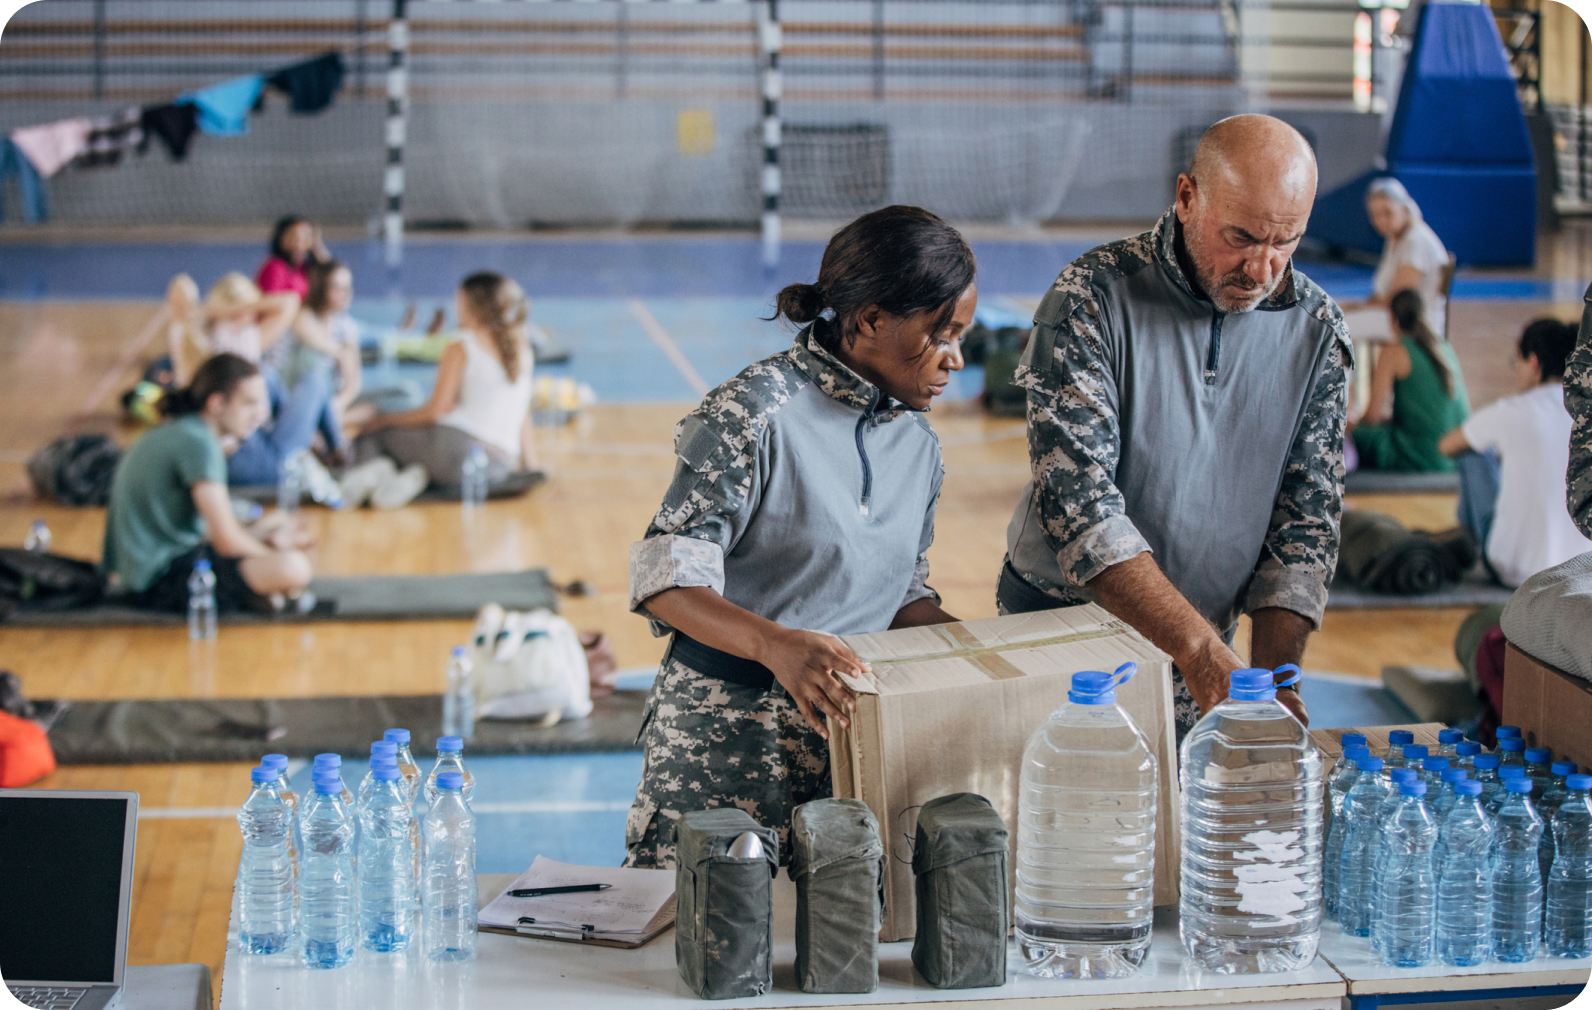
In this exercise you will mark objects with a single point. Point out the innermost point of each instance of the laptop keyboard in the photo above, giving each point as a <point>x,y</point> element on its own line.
<point>49,997</point>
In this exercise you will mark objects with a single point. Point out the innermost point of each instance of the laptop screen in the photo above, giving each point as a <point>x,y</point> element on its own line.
<point>60,887</point>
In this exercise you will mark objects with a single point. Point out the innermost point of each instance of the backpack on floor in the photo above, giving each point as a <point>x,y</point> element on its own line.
<point>76,470</point>
<point>528,665</point>
<point>32,581</point>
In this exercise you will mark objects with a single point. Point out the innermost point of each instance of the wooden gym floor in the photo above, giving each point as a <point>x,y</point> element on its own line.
<point>62,365</point>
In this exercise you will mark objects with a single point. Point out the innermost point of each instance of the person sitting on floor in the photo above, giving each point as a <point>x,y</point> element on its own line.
<point>1512,455</point>
<point>296,247</point>
<point>235,318</point>
<point>1417,396</point>
<point>1413,257</point>
<point>482,398</point>
<point>324,338</point>
<point>169,506</point>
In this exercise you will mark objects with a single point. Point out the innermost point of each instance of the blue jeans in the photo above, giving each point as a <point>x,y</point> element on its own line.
<point>258,461</point>
<point>35,204</point>
<point>1479,480</point>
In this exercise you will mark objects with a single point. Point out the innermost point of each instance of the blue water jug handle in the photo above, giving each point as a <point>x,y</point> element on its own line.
<point>1291,680</point>
<point>1118,678</point>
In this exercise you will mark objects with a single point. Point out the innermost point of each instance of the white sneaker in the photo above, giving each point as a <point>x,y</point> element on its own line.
<point>402,488</point>
<point>360,481</point>
<point>319,483</point>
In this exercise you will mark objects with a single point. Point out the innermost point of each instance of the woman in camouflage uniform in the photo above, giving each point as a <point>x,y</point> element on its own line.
<point>802,508</point>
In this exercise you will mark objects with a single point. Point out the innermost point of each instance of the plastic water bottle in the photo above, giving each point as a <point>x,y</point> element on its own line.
<point>284,789</point>
<point>1507,774</point>
<point>201,602</point>
<point>1465,753</point>
<point>1511,751</point>
<point>1464,890</point>
<point>1446,798</point>
<point>1567,920</point>
<point>1394,756</point>
<point>406,759</point>
<point>1517,876</point>
<point>38,539</point>
<point>1385,815</point>
<point>379,750</point>
<point>328,888</point>
<point>333,764</point>
<point>1342,768</point>
<point>265,872</point>
<point>1432,769</point>
<point>1338,786</point>
<point>1361,809</point>
<point>1086,837</point>
<point>458,704</point>
<point>448,895</point>
<point>473,483</point>
<point>1484,769</point>
<point>1507,733</point>
<point>1252,843</point>
<point>1413,754</point>
<point>1539,765</point>
<point>290,481</point>
<point>1548,799</point>
<point>1447,741</point>
<point>1407,881</point>
<point>450,758</point>
<point>386,863</point>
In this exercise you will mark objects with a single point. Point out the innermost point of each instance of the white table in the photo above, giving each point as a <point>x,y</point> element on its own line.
<point>513,973</point>
<point>1373,984</point>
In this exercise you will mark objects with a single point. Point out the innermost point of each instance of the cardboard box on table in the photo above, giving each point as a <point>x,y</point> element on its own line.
<point>1552,708</point>
<point>949,709</point>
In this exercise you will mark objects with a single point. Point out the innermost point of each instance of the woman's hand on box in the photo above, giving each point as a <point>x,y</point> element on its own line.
<point>802,662</point>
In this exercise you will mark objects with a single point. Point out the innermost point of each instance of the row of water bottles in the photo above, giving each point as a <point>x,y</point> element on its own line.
<point>1461,856</point>
<point>336,869</point>
<point>1252,835</point>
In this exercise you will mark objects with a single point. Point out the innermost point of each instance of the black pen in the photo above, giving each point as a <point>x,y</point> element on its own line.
<point>537,892</point>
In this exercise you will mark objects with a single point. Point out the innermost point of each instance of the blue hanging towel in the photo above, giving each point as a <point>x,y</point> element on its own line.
<point>224,108</point>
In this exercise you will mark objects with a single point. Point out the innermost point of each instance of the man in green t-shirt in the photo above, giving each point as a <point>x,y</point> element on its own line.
<point>169,506</point>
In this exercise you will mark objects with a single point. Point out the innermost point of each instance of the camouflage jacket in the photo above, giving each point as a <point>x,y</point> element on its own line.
<point>802,494</point>
<point>1578,401</point>
<point>1157,423</point>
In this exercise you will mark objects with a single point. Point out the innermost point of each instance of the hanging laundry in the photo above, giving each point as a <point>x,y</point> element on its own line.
<point>175,125</point>
<point>312,84</point>
<point>224,108</point>
<point>52,145</point>
<point>35,206</point>
<point>111,137</point>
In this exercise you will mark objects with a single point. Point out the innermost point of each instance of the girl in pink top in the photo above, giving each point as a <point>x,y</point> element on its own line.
<point>295,247</point>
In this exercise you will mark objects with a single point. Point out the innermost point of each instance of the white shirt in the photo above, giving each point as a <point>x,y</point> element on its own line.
<point>490,407</point>
<point>1532,529</point>
<point>1418,247</point>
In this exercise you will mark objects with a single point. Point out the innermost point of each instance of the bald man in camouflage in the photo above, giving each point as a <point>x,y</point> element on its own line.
<point>1187,390</point>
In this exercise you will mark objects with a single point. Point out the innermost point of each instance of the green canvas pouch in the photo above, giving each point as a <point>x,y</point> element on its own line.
<point>959,859</point>
<point>837,862</point>
<point>724,911</point>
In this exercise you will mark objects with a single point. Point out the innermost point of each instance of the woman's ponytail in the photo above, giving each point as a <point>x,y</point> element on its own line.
<point>220,374</point>
<point>1409,314</point>
<point>800,303</point>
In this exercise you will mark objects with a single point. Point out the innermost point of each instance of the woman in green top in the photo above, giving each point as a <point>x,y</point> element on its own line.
<point>1417,396</point>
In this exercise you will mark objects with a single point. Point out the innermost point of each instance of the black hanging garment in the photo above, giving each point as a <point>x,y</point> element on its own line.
<point>112,136</point>
<point>175,125</point>
<point>310,85</point>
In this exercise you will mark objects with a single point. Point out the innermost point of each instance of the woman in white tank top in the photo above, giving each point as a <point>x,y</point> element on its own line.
<point>482,396</point>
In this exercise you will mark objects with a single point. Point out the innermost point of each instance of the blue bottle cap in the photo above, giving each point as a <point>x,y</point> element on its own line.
<point>1468,787</point>
<point>1518,784</point>
<point>383,747</point>
<point>382,760</point>
<point>1467,748</point>
<point>1538,755</point>
<point>1453,775</point>
<point>1415,750</point>
<point>1579,782</point>
<point>1436,764</point>
<point>328,785</point>
<point>1453,736</point>
<point>1252,685</point>
<point>1369,764</point>
<point>1352,740</point>
<point>1416,788</point>
<point>1512,744</point>
<point>450,744</point>
<point>1486,761</point>
<point>274,761</point>
<point>1400,737</point>
<point>386,772</point>
<point>202,565</point>
<point>262,774</point>
<point>450,780</point>
<point>1356,753</point>
<point>398,736</point>
<point>1512,771</point>
<point>1404,775</point>
<point>1564,768</point>
<point>458,652</point>
<point>1504,732</point>
<point>328,761</point>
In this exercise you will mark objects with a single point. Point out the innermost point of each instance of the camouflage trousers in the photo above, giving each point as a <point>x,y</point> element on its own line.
<point>709,744</point>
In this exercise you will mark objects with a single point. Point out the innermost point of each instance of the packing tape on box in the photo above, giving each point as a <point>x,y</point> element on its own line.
<point>988,658</point>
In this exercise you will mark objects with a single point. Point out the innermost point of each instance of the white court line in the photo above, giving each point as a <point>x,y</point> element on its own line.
<point>660,336</point>
<point>513,807</point>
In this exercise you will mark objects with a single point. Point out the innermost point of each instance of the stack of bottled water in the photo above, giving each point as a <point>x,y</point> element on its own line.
<point>1086,837</point>
<point>1252,816</point>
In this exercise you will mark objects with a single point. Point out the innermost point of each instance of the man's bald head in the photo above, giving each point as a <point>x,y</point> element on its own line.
<point>1256,153</point>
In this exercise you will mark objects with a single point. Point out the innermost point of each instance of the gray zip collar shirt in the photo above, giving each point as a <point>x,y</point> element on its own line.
<point>802,494</point>
<point>1158,423</point>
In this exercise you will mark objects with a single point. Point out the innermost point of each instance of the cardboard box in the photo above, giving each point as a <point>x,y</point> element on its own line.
<point>949,709</point>
<point>1331,740</point>
<point>1552,708</point>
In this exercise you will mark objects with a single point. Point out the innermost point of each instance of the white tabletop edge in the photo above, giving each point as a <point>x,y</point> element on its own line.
<point>1353,958</point>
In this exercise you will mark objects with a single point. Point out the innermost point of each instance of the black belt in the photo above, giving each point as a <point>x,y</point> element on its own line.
<point>1019,596</point>
<point>718,663</point>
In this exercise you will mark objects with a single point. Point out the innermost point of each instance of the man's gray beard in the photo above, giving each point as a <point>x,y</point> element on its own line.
<point>1213,286</point>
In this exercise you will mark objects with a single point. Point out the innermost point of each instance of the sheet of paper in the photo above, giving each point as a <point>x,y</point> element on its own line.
<point>627,907</point>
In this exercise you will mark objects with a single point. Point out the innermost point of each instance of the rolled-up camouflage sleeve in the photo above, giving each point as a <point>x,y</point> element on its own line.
<point>1578,401</point>
<point>1301,546</point>
<point>1074,445</point>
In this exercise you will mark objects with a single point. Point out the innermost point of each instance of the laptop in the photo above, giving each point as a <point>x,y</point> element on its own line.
<point>66,890</point>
